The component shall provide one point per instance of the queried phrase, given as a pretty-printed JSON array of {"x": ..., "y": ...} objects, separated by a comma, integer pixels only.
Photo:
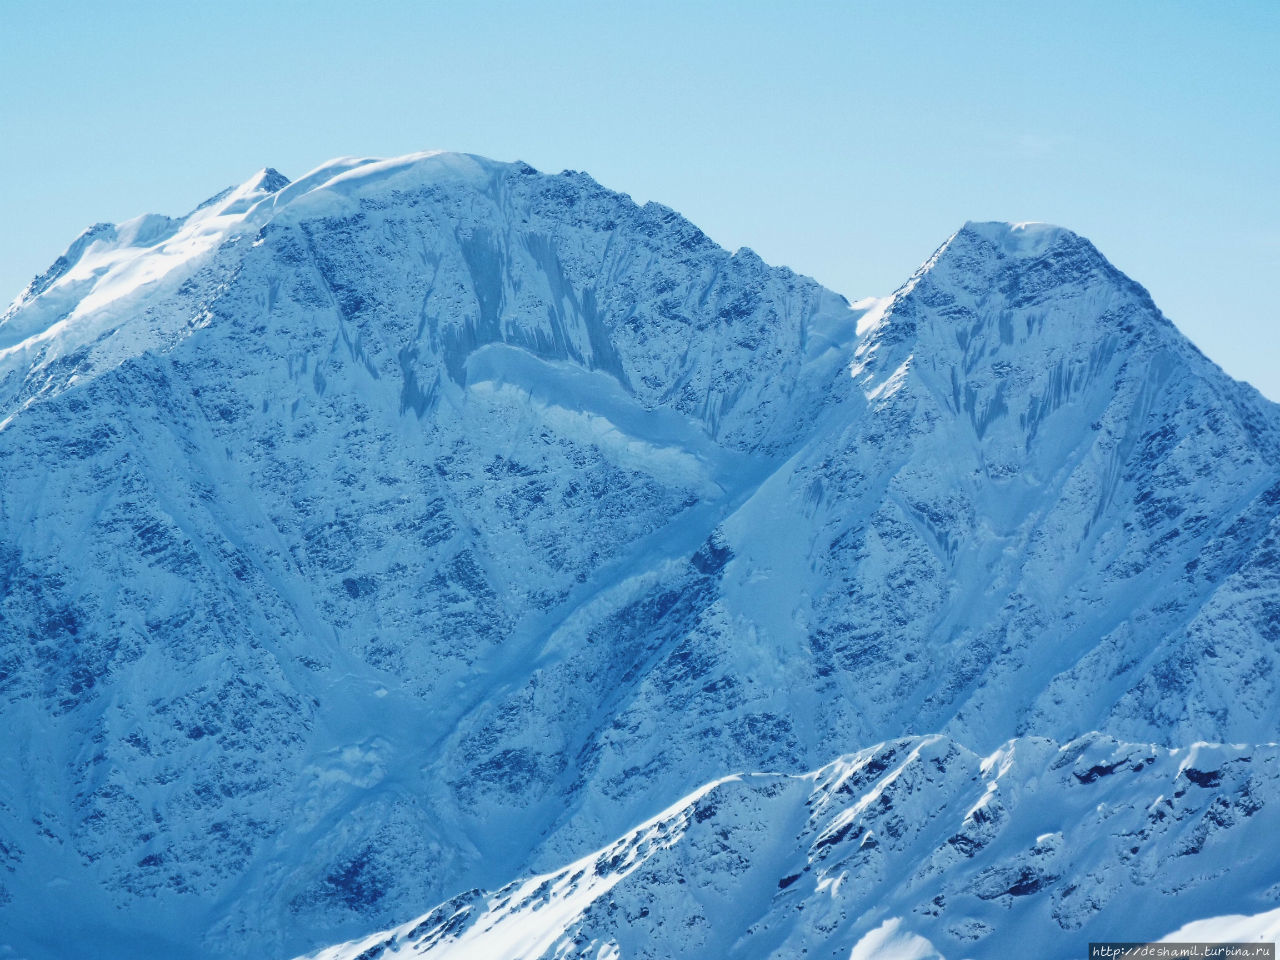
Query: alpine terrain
[{"x": 438, "y": 547}]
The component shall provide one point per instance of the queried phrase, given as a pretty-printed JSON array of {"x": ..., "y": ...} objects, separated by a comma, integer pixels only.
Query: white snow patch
[
  {"x": 890, "y": 942},
  {"x": 1230, "y": 928}
]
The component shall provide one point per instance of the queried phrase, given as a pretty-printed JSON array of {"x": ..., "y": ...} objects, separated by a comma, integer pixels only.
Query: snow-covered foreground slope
[
  {"x": 916, "y": 847},
  {"x": 428, "y": 522}
]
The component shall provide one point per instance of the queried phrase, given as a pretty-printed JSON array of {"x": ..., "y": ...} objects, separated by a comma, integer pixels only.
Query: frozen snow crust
[{"x": 428, "y": 523}]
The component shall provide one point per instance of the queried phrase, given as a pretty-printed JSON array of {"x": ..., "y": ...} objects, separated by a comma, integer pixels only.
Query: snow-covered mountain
[
  {"x": 915, "y": 848},
  {"x": 424, "y": 524}
]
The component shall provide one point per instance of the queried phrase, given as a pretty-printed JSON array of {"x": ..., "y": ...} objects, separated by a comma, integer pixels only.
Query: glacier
[{"x": 425, "y": 524}]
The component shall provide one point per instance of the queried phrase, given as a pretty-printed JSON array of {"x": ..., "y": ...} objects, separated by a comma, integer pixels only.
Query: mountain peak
[
  {"x": 1006, "y": 266},
  {"x": 269, "y": 180},
  {"x": 1027, "y": 239}
]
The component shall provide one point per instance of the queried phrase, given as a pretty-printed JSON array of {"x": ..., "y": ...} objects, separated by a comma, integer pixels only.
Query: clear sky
[{"x": 846, "y": 140}]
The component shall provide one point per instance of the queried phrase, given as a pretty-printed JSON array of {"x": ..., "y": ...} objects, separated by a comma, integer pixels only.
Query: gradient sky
[{"x": 846, "y": 140}]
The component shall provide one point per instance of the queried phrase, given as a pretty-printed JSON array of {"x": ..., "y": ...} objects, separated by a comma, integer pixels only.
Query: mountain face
[
  {"x": 906, "y": 849},
  {"x": 424, "y": 524}
]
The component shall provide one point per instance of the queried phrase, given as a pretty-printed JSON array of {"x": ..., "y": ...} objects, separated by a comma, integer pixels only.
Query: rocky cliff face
[{"x": 424, "y": 523}]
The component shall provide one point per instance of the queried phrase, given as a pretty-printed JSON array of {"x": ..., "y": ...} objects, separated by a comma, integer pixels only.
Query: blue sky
[{"x": 846, "y": 140}]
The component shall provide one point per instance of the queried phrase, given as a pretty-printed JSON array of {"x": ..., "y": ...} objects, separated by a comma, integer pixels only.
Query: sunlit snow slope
[{"x": 427, "y": 523}]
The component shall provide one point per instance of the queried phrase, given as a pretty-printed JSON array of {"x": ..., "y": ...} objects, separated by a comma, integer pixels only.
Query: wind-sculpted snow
[
  {"x": 427, "y": 522},
  {"x": 914, "y": 842}
]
